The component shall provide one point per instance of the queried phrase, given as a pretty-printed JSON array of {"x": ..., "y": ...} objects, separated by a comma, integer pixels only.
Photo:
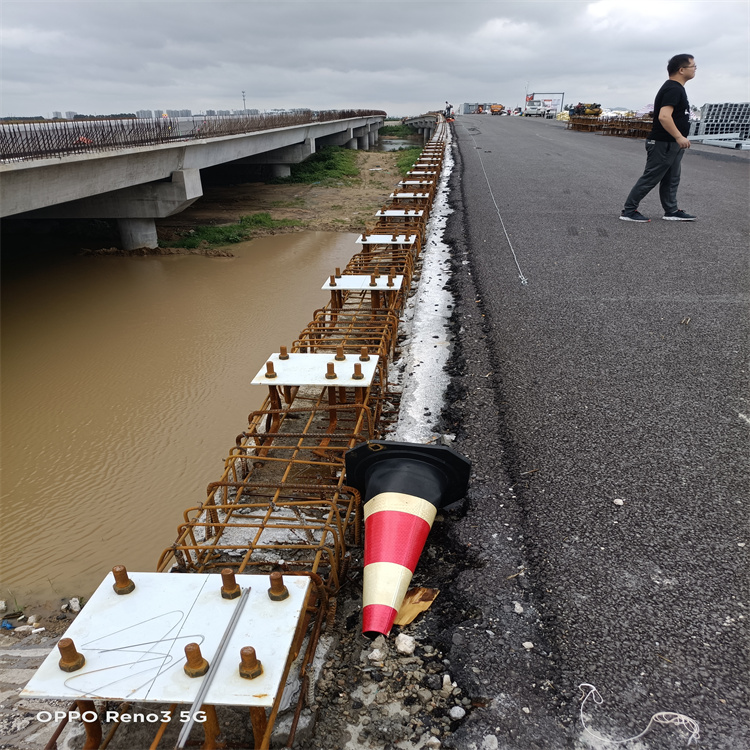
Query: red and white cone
[
  {"x": 396, "y": 528},
  {"x": 403, "y": 485}
]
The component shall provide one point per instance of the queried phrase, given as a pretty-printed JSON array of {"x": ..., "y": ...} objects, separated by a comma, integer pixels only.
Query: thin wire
[
  {"x": 662, "y": 717},
  {"x": 167, "y": 661},
  {"x": 523, "y": 279}
]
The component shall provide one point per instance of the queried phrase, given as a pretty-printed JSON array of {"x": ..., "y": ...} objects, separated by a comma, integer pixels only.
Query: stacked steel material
[
  {"x": 719, "y": 119},
  {"x": 627, "y": 127},
  {"x": 624, "y": 127}
]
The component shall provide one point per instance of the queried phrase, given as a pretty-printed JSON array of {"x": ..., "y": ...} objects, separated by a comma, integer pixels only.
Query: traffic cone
[{"x": 403, "y": 486}]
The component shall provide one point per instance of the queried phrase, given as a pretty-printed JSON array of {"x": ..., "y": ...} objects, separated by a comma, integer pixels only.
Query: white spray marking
[{"x": 427, "y": 349}]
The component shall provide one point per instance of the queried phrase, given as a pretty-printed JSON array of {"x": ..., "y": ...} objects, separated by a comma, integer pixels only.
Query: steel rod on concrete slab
[{"x": 203, "y": 691}]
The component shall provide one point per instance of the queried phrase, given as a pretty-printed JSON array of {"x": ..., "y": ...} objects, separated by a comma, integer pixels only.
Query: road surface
[{"x": 601, "y": 390}]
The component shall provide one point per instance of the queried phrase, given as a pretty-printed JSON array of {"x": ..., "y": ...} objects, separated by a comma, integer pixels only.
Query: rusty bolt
[
  {"x": 390, "y": 279},
  {"x": 333, "y": 281},
  {"x": 270, "y": 373},
  {"x": 122, "y": 584},
  {"x": 283, "y": 354},
  {"x": 357, "y": 375},
  {"x": 364, "y": 356},
  {"x": 196, "y": 665},
  {"x": 278, "y": 591},
  {"x": 373, "y": 280},
  {"x": 338, "y": 273},
  {"x": 230, "y": 589},
  {"x": 250, "y": 666},
  {"x": 340, "y": 357},
  {"x": 330, "y": 373},
  {"x": 71, "y": 659}
]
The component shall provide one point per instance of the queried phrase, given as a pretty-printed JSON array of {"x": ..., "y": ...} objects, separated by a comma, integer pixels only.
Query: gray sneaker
[
  {"x": 679, "y": 215},
  {"x": 633, "y": 216}
]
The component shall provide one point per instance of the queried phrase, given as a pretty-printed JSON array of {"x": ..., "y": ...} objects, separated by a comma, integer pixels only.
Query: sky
[{"x": 402, "y": 56}]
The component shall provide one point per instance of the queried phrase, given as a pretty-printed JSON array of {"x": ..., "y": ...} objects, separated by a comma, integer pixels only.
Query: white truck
[{"x": 536, "y": 108}]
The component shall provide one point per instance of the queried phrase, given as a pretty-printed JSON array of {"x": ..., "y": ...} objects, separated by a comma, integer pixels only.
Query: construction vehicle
[{"x": 496, "y": 109}]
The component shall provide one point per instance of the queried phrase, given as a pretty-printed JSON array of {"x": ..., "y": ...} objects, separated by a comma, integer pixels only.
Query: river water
[
  {"x": 124, "y": 384},
  {"x": 396, "y": 144}
]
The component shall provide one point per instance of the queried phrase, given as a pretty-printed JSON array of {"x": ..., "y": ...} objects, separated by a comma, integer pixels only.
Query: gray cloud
[{"x": 405, "y": 57}]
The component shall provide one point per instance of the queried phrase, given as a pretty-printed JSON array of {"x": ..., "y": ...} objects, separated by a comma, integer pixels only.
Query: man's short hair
[{"x": 677, "y": 62}]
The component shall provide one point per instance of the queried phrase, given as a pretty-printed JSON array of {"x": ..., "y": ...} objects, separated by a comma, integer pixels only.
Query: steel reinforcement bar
[
  {"x": 301, "y": 432},
  {"x": 282, "y": 502},
  {"x": 20, "y": 141}
]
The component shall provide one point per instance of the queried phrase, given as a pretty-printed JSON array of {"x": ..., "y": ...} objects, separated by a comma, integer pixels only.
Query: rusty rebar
[{"x": 34, "y": 139}]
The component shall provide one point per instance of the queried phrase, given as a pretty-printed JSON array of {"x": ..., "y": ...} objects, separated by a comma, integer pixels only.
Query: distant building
[
  {"x": 144, "y": 114},
  {"x": 70, "y": 115},
  {"x": 57, "y": 115},
  {"x": 186, "y": 113},
  {"x": 211, "y": 113}
]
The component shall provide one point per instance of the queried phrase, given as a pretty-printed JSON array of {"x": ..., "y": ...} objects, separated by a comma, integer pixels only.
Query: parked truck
[
  {"x": 536, "y": 108},
  {"x": 496, "y": 109}
]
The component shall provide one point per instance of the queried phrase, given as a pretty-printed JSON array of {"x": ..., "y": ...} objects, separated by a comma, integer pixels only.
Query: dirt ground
[{"x": 347, "y": 207}]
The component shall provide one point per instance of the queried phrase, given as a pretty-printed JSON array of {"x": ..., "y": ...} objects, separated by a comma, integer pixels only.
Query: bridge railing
[{"x": 23, "y": 141}]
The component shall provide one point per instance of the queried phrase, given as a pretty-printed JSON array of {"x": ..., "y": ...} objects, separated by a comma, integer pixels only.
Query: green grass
[
  {"x": 406, "y": 159},
  {"x": 295, "y": 203},
  {"x": 231, "y": 233},
  {"x": 330, "y": 165}
]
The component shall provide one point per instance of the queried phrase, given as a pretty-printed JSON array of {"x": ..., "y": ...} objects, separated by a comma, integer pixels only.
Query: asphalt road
[{"x": 605, "y": 406}]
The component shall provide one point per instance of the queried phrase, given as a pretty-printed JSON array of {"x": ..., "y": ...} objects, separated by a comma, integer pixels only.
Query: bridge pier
[
  {"x": 280, "y": 170},
  {"x": 280, "y": 159},
  {"x": 135, "y": 207},
  {"x": 135, "y": 233}
]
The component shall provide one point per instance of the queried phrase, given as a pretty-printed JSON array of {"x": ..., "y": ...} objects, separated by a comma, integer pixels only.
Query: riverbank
[{"x": 346, "y": 205}]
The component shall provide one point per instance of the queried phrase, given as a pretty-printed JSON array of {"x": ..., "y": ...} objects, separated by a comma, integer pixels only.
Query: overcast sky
[{"x": 402, "y": 56}]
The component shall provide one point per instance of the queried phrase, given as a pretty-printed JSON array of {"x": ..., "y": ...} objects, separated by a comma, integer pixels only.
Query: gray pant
[{"x": 663, "y": 169}]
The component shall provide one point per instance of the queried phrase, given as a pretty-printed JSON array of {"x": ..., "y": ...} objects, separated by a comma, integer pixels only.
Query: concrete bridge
[
  {"x": 424, "y": 124},
  {"x": 140, "y": 184}
]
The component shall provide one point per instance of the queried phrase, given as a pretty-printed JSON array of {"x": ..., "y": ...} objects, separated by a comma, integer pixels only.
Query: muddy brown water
[
  {"x": 396, "y": 144},
  {"x": 124, "y": 384}
]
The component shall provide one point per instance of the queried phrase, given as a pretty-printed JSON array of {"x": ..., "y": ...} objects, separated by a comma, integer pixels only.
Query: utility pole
[{"x": 244, "y": 107}]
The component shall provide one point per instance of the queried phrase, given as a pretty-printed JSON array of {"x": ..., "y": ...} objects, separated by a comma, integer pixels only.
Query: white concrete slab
[
  {"x": 400, "y": 213},
  {"x": 311, "y": 368},
  {"x": 386, "y": 239},
  {"x": 135, "y": 644},
  {"x": 362, "y": 282}
]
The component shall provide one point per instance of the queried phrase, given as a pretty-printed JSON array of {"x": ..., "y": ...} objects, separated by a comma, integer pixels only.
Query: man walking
[{"x": 666, "y": 144}]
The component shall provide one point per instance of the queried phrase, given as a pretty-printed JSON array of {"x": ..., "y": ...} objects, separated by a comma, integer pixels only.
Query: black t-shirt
[{"x": 671, "y": 94}]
